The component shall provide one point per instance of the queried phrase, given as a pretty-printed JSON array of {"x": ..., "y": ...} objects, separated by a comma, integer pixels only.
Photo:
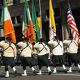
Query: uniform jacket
[
  {"x": 26, "y": 49},
  {"x": 8, "y": 51},
  {"x": 57, "y": 47},
  {"x": 72, "y": 46},
  {"x": 42, "y": 48}
]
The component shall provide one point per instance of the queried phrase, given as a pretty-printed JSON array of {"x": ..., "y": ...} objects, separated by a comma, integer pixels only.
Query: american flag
[{"x": 72, "y": 24}]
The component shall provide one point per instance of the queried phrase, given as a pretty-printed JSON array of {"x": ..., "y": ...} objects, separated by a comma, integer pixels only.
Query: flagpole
[{"x": 41, "y": 19}]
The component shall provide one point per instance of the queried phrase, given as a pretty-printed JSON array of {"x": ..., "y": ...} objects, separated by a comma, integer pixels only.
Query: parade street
[{"x": 60, "y": 75}]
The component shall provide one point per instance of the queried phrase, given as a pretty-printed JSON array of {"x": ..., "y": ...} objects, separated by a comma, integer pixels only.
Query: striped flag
[
  {"x": 72, "y": 24},
  {"x": 36, "y": 21},
  {"x": 52, "y": 25},
  {"x": 27, "y": 27},
  {"x": 7, "y": 24},
  {"x": 25, "y": 19}
]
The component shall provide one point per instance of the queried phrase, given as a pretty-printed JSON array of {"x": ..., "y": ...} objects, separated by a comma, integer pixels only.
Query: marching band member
[
  {"x": 43, "y": 54},
  {"x": 57, "y": 53},
  {"x": 72, "y": 49},
  {"x": 25, "y": 54},
  {"x": 9, "y": 53}
]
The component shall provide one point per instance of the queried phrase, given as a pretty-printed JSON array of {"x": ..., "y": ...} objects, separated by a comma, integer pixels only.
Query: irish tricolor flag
[
  {"x": 7, "y": 24},
  {"x": 27, "y": 25}
]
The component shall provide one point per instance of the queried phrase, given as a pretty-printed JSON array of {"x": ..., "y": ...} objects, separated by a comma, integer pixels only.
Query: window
[
  {"x": 21, "y": 1},
  {"x": 16, "y": 1},
  {"x": 9, "y": 2}
]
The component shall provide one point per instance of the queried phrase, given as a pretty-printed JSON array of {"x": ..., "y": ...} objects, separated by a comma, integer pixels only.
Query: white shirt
[
  {"x": 72, "y": 46},
  {"x": 26, "y": 50},
  {"x": 42, "y": 48},
  {"x": 57, "y": 48},
  {"x": 8, "y": 51}
]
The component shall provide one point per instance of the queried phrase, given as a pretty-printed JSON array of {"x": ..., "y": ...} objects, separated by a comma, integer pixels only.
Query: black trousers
[
  {"x": 8, "y": 61},
  {"x": 73, "y": 59},
  {"x": 43, "y": 61},
  {"x": 58, "y": 60},
  {"x": 27, "y": 61}
]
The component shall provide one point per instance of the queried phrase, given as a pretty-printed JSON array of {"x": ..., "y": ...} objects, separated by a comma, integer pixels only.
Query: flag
[
  {"x": 25, "y": 20},
  {"x": 35, "y": 21},
  {"x": 38, "y": 26},
  {"x": 7, "y": 24},
  {"x": 40, "y": 19},
  {"x": 52, "y": 25},
  {"x": 72, "y": 24},
  {"x": 27, "y": 29},
  {"x": 33, "y": 13},
  {"x": 38, "y": 23}
]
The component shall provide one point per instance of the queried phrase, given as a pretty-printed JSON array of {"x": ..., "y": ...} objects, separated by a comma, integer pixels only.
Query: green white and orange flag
[
  {"x": 27, "y": 27},
  {"x": 25, "y": 20},
  {"x": 52, "y": 25},
  {"x": 7, "y": 24}
]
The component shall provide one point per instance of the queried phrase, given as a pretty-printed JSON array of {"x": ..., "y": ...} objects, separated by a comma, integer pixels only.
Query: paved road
[{"x": 60, "y": 75}]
